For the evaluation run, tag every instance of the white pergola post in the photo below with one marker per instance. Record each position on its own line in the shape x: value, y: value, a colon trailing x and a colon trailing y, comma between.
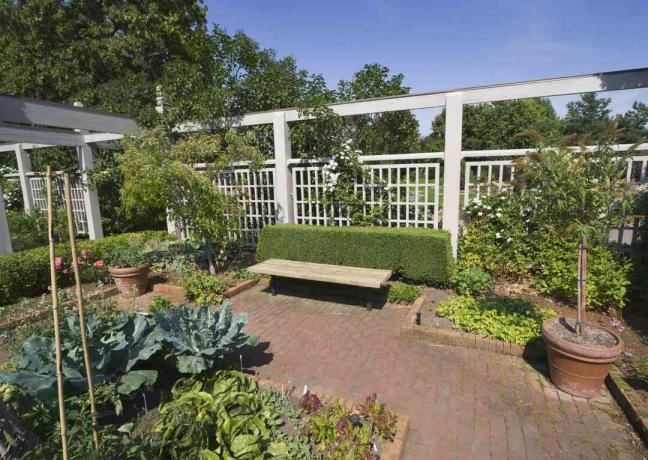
x: 24, y: 168
x: 5, y: 238
x: 452, y: 166
x: 283, y: 175
x: 90, y: 195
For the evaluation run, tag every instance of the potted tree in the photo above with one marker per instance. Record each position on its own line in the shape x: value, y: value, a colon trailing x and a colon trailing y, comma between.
x: 578, y: 196
x: 129, y: 268
x: 580, y: 353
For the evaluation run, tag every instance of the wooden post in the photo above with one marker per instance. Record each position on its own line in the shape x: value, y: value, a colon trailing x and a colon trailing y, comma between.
x: 79, y: 295
x: 55, y: 313
x: 582, y: 275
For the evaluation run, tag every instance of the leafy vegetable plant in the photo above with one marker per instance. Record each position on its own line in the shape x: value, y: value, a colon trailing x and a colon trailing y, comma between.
x: 196, y: 339
x: 116, y: 347
x: 203, y: 288
x: 472, y: 281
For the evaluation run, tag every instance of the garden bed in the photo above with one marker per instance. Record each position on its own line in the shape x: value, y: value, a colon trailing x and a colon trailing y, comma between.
x: 393, y: 450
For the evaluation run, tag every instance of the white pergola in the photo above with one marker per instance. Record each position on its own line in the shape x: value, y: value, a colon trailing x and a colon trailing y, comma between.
x: 26, y: 124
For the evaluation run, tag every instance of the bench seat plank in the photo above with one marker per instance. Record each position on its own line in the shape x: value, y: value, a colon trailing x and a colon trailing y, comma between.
x: 339, y: 274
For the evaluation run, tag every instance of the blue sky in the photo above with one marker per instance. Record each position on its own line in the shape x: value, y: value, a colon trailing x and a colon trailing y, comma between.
x: 450, y: 44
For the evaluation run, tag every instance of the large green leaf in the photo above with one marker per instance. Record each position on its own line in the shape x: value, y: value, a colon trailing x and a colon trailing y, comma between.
x: 135, y: 380
x: 195, y: 339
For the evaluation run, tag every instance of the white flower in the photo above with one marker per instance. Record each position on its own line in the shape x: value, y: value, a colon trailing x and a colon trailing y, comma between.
x: 498, y: 214
x: 480, y: 213
x: 509, y: 239
x: 498, y: 235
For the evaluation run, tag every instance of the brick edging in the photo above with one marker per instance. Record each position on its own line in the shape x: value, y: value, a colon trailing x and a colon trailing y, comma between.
x: 630, y: 402
x: 38, y: 315
x: 464, y: 339
x: 391, y: 451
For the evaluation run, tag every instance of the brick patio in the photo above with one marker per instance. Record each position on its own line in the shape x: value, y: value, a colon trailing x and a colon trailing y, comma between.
x: 463, y: 403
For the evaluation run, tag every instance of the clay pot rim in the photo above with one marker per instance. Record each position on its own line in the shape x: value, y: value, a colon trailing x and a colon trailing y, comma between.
x: 129, y: 271
x: 599, y: 354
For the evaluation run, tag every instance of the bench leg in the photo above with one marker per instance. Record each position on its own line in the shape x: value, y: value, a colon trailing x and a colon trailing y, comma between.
x: 369, y: 306
x: 273, y: 285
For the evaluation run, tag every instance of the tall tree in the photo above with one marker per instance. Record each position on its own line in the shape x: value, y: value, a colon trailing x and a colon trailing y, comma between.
x: 499, y: 125
x: 380, y: 133
x: 633, y: 124
x: 588, y: 117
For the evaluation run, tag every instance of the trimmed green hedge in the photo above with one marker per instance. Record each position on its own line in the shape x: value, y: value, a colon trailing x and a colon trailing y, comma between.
x: 26, y: 273
x: 415, y: 253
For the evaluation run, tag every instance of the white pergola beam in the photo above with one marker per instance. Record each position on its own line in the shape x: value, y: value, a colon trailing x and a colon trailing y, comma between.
x: 28, y: 111
x: 605, y: 81
x: 20, y: 134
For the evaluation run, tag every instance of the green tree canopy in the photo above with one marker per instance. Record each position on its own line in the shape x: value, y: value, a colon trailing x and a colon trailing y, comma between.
x: 587, y: 117
x: 499, y: 125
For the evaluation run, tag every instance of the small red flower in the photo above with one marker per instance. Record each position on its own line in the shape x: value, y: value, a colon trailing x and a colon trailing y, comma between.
x: 58, y: 263
x: 85, y: 253
x: 99, y: 264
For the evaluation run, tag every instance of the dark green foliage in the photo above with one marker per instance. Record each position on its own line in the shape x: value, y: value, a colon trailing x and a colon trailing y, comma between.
x: 159, y: 303
x: 27, y: 230
x: 26, y: 273
x: 471, y: 281
x: 403, y: 293
x: 415, y: 253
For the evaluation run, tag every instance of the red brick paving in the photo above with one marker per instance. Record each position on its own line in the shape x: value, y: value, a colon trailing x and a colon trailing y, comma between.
x: 463, y: 403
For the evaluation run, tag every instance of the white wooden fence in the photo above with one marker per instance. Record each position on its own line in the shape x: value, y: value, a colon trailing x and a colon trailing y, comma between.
x: 415, y: 183
x: 38, y: 200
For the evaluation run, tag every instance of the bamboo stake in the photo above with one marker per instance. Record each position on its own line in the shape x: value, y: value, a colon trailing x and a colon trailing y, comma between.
x: 55, y: 313
x: 79, y: 296
x: 582, y: 274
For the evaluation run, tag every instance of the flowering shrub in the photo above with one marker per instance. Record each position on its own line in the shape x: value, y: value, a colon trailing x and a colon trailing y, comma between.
x: 341, y: 175
x: 530, y: 229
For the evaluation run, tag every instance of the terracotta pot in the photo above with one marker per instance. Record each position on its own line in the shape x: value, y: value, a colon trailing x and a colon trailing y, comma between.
x: 131, y: 282
x: 578, y: 369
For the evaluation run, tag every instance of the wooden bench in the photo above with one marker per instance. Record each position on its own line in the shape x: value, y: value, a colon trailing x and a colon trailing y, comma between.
x: 338, y: 274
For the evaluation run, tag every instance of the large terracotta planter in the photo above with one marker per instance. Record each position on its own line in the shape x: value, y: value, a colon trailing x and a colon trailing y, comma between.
x: 577, y: 369
x: 131, y: 282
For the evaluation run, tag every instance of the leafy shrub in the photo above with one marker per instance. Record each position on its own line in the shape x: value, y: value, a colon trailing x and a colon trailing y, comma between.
x: 26, y: 273
x: 159, y: 303
x: 471, y: 281
x: 203, y: 288
x: 196, y: 339
x: 220, y: 417
x: 403, y: 293
x: 607, y: 278
x: 500, y: 318
x: 416, y: 253
x: 27, y: 230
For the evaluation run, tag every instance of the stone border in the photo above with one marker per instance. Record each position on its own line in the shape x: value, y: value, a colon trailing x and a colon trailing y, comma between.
x: 392, y: 451
x: 175, y: 290
x: 458, y: 338
x: 32, y: 317
x: 631, y: 403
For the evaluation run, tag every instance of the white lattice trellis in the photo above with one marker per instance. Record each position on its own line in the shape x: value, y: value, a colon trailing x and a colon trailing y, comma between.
x: 413, y: 190
x: 39, y: 196
x: 255, y: 191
